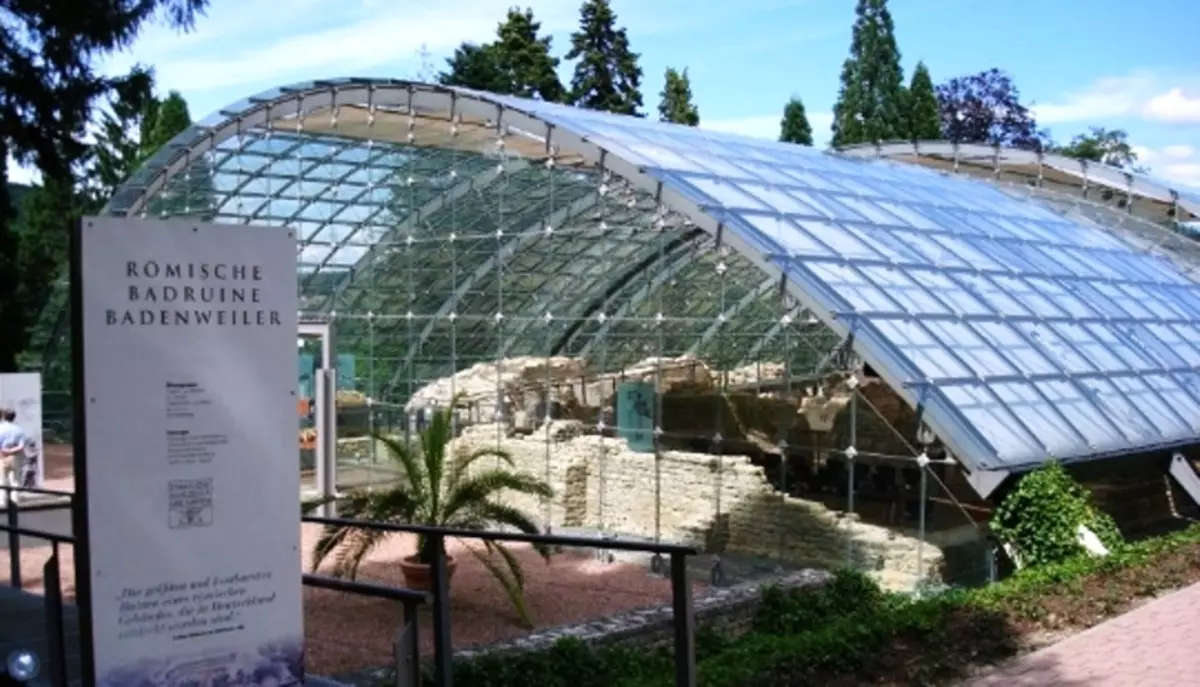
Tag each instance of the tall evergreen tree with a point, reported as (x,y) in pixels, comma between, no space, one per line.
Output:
(47,214)
(474,66)
(48,88)
(10,310)
(794,128)
(871,101)
(607,76)
(924,123)
(675,102)
(525,59)
(116,152)
(518,62)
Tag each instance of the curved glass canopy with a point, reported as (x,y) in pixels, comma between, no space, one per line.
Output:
(448,227)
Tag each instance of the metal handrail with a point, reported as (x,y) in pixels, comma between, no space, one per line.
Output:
(681,590)
(406,643)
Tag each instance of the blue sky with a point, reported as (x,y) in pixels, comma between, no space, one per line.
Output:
(1099,62)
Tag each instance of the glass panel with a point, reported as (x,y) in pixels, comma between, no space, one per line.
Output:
(919,346)
(1014,346)
(993,420)
(1039,416)
(1087,419)
(853,287)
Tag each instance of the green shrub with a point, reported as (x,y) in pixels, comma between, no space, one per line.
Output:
(1040,518)
(788,611)
(840,628)
(567,663)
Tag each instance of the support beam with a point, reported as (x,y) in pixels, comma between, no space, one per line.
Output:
(732,312)
(452,194)
(522,238)
(1185,476)
(985,482)
(769,335)
(676,263)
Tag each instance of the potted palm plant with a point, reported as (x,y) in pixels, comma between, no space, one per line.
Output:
(437,487)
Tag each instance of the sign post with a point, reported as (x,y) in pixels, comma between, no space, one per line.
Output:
(186,468)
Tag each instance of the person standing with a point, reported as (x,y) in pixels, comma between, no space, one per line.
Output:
(12,454)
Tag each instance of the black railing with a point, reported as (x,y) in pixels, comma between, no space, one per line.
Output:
(55,657)
(681,590)
(406,649)
(406,643)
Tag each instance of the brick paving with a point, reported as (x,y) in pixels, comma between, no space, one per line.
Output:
(1152,646)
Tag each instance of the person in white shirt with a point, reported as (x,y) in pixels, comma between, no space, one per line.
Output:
(13,443)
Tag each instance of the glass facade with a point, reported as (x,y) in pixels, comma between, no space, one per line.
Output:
(809,334)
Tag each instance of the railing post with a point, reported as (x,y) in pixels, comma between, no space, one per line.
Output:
(442,649)
(55,638)
(684,622)
(14,540)
(406,650)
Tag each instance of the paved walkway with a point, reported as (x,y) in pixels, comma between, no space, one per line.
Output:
(1152,646)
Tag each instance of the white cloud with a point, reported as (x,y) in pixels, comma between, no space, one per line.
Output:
(1143,94)
(353,39)
(767,126)
(1105,98)
(1174,106)
(1179,163)
(256,42)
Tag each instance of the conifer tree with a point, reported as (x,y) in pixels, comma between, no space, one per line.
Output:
(10,309)
(525,57)
(871,102)
(607,76)
(794,128)
(676,104)
(517,63)
(924,122)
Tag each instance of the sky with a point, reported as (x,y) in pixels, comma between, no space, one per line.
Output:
(1082,63)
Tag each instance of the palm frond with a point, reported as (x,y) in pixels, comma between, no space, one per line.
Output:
(307,506)
(403,455)
(513,589)
(483,486)
(389,505)
(506,516)
(462,463)
(434,442)
(355,549)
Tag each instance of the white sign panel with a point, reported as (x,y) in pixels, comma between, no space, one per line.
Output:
(192,481)
(22,392)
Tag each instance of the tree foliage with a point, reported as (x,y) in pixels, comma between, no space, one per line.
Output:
(48,88)
(1041,517)
(675,104)
(794,127)
(924,123)
(871,101)
(518,62)
(607,76)
(9,309)
(986,108)
(1106,146)
(474,66)
(117,152)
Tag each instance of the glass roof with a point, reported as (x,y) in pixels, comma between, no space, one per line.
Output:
(1022,331)
(1049,336)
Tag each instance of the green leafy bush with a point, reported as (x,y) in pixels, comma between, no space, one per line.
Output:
(804,636)
(789,611)
(1040,518)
